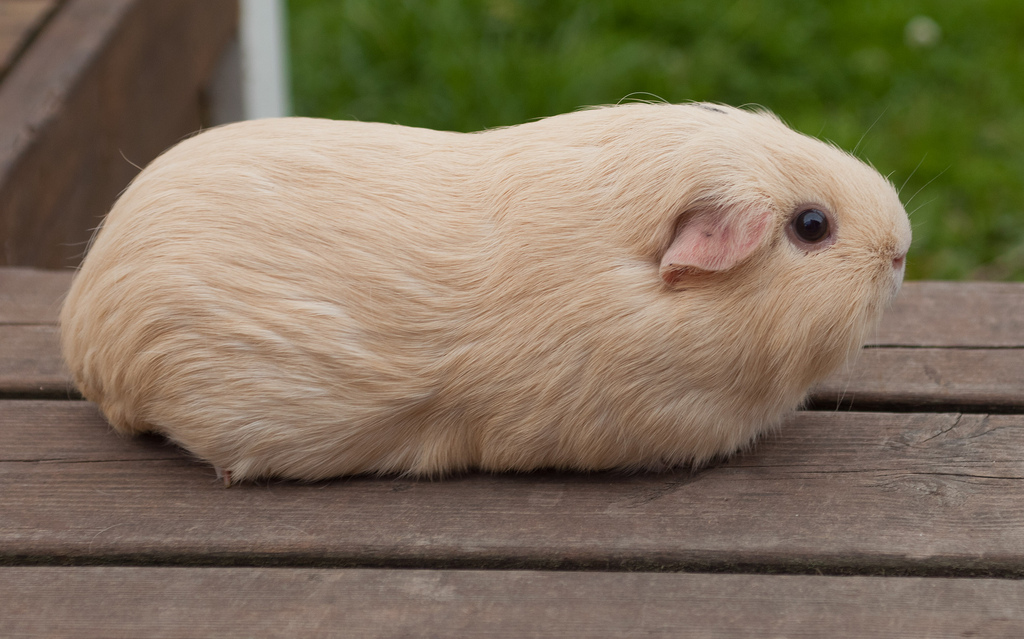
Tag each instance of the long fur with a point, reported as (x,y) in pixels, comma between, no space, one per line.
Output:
(306,298)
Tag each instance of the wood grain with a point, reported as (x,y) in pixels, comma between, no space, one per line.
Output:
(933,379)
(31,363)
(867,493)
(19,22)
(30,360)
(955,314)
(174,602)
(106,84)
(32,296)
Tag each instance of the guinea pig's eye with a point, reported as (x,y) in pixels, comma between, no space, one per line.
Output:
(811,225)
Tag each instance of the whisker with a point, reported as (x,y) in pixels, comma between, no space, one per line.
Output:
(925,185)
(869,130)
(921,206)
(911,174)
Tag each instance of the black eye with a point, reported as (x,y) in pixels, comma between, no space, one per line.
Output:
(811,225)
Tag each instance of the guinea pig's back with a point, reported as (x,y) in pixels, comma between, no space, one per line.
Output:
(271,268)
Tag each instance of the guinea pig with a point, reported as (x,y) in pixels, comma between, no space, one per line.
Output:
(630,287)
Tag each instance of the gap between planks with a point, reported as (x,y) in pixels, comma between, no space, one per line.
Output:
(499,564)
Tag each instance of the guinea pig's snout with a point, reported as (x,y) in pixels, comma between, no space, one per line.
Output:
(899,263)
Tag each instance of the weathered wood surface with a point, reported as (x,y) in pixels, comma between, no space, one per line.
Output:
(942,347)
(955,314)
(237,602)
(31,365)
(30,361)
(836,492)
(934,379)
(32,296)
(105,84)
(19,22)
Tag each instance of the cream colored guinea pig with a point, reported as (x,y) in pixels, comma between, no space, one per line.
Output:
(637,286)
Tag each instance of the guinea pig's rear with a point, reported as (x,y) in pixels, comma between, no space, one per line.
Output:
(634,286)
(264,292)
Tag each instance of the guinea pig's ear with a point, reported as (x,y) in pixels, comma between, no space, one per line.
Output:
(714,239)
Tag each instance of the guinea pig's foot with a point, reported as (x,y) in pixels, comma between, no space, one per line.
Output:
(225,474)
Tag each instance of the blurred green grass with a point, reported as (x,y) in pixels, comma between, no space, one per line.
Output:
(934,88)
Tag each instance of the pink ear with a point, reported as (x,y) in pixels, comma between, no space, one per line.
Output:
(715,239)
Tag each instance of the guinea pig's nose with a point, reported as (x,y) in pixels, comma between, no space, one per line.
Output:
(897,262)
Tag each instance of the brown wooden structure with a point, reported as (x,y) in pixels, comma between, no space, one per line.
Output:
(88,90)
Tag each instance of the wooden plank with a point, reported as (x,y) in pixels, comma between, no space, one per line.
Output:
(933,379)
(840,492)
(71,432)
(955,314)
(32,296)
(31,364)
(107,83)
(30,360)
(20,20)
(166,602)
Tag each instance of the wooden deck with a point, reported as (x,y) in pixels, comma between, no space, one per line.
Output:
(901,513)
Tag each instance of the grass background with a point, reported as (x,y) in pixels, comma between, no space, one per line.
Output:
(935,88)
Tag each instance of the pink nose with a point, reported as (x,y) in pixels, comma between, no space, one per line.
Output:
(897,262)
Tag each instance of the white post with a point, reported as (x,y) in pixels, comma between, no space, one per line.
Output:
(264,59)
(251,80)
